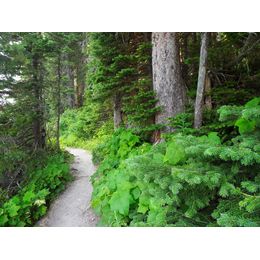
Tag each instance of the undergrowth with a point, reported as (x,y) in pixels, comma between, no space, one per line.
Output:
(42,186)
(190,180)
(79,129)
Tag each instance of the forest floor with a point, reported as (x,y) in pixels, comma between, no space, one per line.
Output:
(72,208)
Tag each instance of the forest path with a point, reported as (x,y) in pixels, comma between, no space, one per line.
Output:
(72,207)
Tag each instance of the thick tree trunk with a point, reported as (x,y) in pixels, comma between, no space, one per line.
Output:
(201,80)
(117,111)
(167,79)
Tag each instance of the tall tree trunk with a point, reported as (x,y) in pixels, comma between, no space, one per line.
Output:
(117,111)
(167,79)
(184,55)
(80,73)
(58,101)
(82,70)
(70,98)
(79,86)
(38,128)
(195,51)
(201,80)
(208,100)
(76,88)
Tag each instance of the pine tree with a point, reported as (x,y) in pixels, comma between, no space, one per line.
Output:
(120,71)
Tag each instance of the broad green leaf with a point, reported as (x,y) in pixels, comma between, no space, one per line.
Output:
(136,193)
(158,157)
(43,193)
(120,201)
(253,103)
(42,210)
(142,208)
(28,196)
(3,220)
(214,138)
(157,218)
(245,126)
(175,154)
(13,210)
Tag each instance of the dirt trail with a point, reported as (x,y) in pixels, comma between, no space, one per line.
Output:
(72,207)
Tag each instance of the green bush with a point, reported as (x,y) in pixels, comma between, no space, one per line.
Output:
(31,202)
(186,181)
(83,128)
(81,122)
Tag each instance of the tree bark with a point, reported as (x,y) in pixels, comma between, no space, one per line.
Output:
(70,97)
(58,100)
(208,100)
(80,73)
(184,56)
(168,83)
(201,80)
(38,129)
(117,111)
(76,88)
(79,85)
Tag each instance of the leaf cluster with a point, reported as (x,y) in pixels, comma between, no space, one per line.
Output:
(186,181)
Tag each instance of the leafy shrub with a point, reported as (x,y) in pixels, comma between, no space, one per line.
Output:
(79,128)
(31,202)
(121,143)
(186,181)
(80,122)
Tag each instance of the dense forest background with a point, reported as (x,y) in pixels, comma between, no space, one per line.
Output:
(172,120)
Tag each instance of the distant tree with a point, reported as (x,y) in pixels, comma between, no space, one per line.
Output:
(201,80)
(119,72)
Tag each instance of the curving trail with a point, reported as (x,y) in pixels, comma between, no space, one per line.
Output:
(72,207)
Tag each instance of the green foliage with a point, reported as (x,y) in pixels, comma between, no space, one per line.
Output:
(118,147)
(182,122)
(85,127)
(175,153)
(120,66)
(31,202)
(186,181)
(197,177)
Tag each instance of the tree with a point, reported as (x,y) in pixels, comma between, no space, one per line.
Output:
(24,77)
(168,83)
(201,80)
(77,60)
(103,50)
(119,72)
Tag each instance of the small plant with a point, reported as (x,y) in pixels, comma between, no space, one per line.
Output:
(31,202)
